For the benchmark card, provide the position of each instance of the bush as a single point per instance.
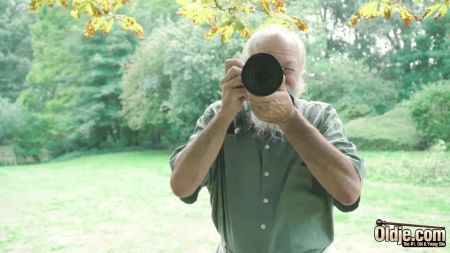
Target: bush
(430, 110)
(10, 119)
(30, 137)
(394, 130)
(350, 86)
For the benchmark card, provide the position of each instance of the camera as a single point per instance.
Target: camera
(262, 74)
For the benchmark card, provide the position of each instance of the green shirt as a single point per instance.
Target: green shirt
(264, 199)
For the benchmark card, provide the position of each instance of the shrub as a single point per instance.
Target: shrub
(430, 111)
(394, 130)
(10, 119)
(350, 86)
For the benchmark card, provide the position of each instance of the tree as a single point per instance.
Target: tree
(47, 98)
(74, 85)
(171, 79)
(15, 48)
(423, 58)
(97, 96)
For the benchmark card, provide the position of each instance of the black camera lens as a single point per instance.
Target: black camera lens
(262, 74)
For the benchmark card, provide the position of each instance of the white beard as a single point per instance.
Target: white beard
(262, 128)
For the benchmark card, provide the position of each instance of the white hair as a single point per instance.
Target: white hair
(272, 30)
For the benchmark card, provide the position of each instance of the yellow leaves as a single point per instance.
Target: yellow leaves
(387, 11)
(406, 15)
(107, 25)
(35, 5)
(103, 24)
(439, 9)
(265, 6)
(105, 6)
(300, 23)
(379, 8)
(101, 12)
(227, 31)
(75, 13)
(225, 17)
(198, 12)
(367, 11)
(130, 24)
(211, 33)
(63, 3)
(279, 6)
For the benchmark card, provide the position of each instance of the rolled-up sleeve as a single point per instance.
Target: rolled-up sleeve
(333, 130)
(201, 124)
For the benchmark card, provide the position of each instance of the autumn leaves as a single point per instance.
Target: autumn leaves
(384, 8)
(225, 17)
(102, 13)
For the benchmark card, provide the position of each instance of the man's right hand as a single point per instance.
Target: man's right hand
(233, 91)
(193, 163)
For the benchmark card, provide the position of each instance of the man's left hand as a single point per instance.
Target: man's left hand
(276, 108)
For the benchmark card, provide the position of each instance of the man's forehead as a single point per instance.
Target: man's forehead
(275, 39)
(277, 44)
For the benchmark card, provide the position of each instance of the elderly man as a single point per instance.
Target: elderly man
(274, 169)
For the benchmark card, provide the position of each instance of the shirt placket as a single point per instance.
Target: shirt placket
(265, 195)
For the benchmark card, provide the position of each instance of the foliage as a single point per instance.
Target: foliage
(30, 138)
(430, 110)
(15, 48)
(23, 129)
(148, 11)
(171, 79)
(96, 101)
(394, 130)
(226, 17)
(102, 13)
(384, 8)
(77, 99)
(51, 49)
(352, 88)
(423, 58)
(10, 120)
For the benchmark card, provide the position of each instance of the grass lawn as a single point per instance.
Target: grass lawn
(121, 202)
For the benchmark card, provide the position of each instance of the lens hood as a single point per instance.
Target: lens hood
(262, 74)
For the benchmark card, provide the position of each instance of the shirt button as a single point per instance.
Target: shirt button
(266, 173)
(267, 146)
(266, 200)
(263, 226)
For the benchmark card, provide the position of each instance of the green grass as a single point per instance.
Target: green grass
(430, 168)
(121, 202)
